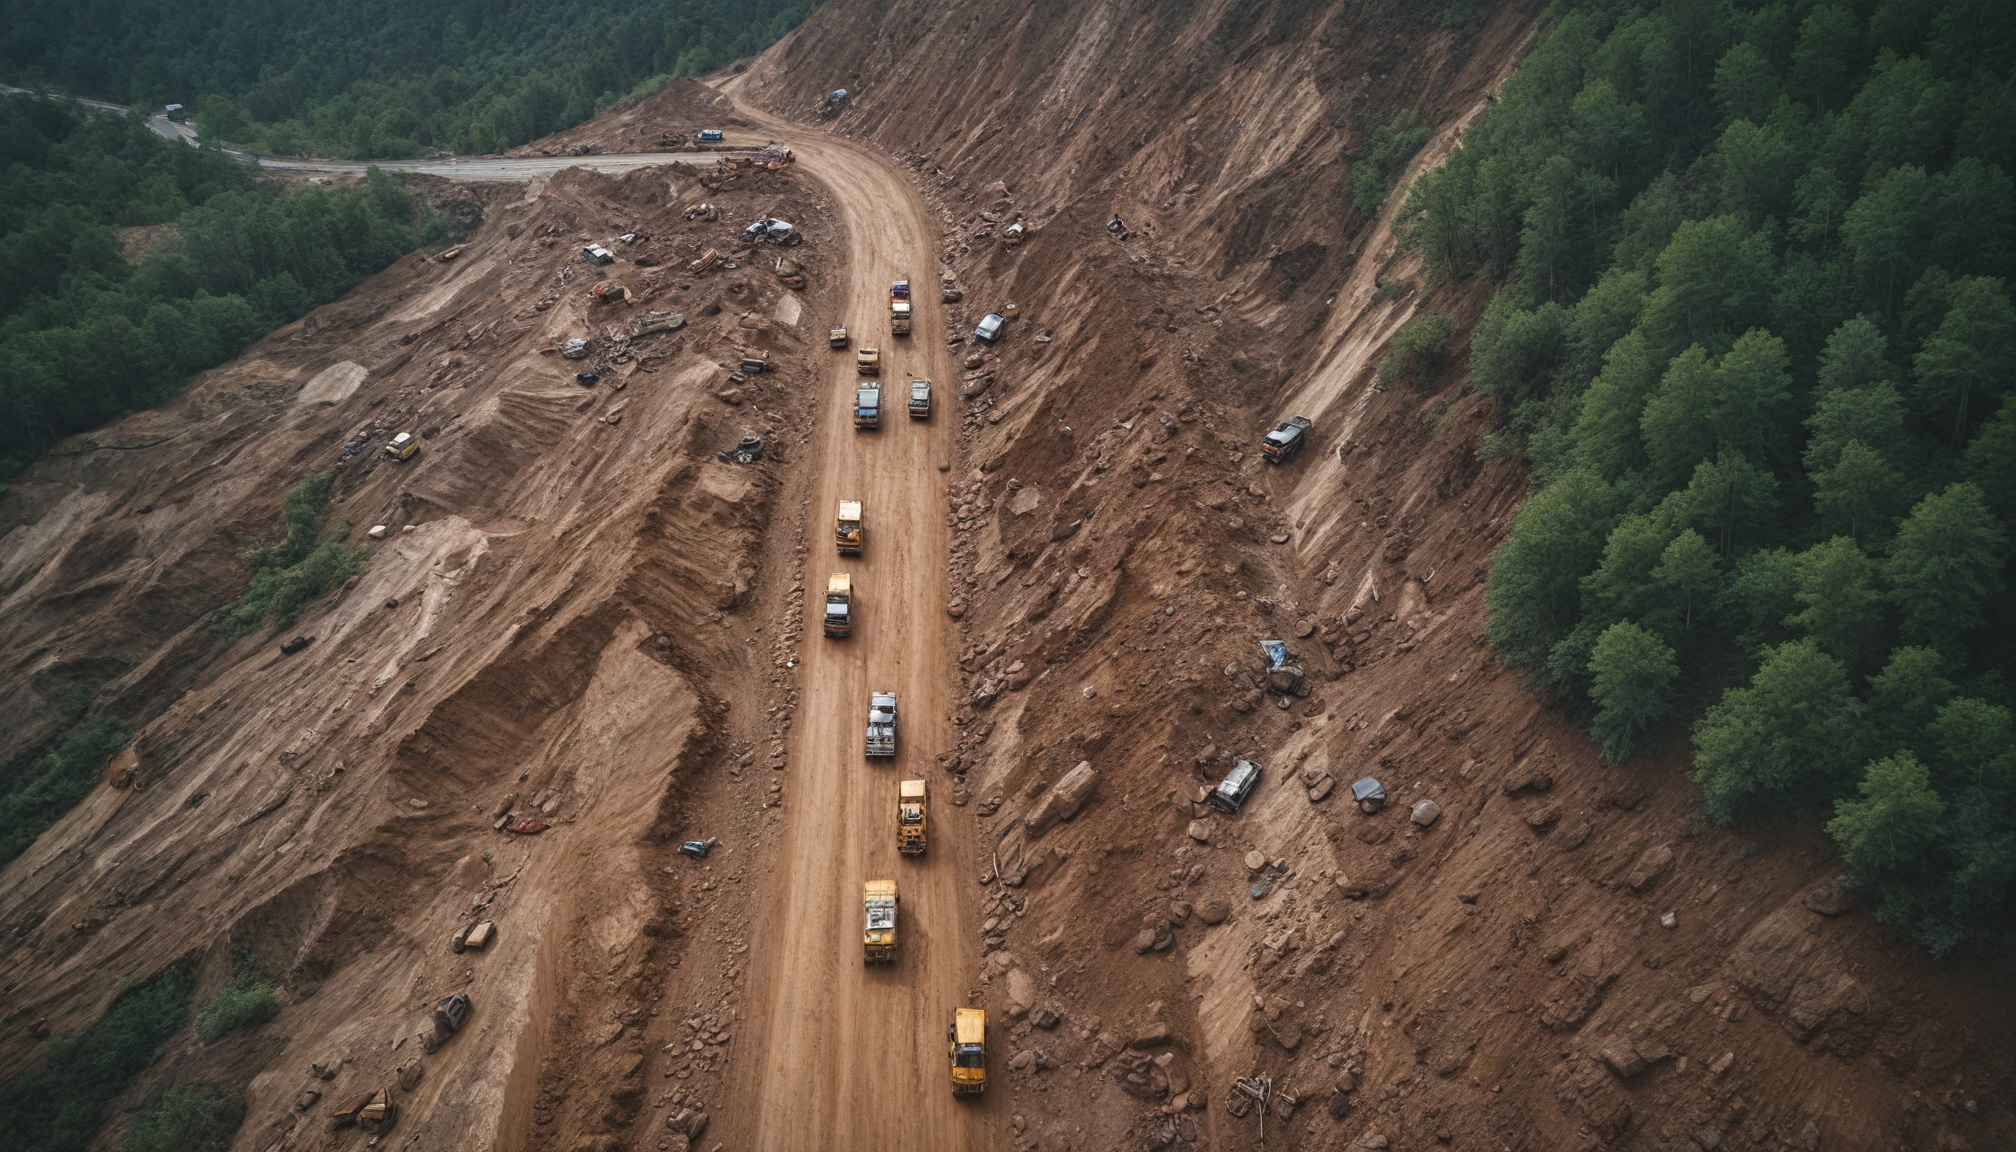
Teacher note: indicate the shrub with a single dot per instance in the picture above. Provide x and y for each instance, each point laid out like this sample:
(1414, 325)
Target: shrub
(59, 1105)
(246, 1002)
(54, 784)
(1418, 348)
(192, 1118)
(294, 572)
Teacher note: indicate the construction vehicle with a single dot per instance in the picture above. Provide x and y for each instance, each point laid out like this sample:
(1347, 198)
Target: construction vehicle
(832, 102)
(1231, 793)
(868, 361)
(1287, 438)
(920, 399)
(990, 328)
(847, 534)
(910, 818)
(839, 621)
(597, 254)
(1012, 235)
(177, 113)
(402, 447)
(968, 1041)
(881, 724)
(837, 338)
(868, 405)
(878, 938)
(709, 136)
(899, 308)
(770, 230)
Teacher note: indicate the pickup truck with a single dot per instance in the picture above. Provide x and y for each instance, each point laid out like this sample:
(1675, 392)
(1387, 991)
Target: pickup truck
(839, 620)
(868, 405)
(1287, 438)
(881, 724)
(920, 399)
(910, 818)
(837, 338)
(847, 531)
(868, 361)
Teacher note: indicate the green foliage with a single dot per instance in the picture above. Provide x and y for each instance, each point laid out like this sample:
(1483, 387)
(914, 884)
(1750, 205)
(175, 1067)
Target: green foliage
(294, 572)
(33, 799)
(59, 1104)
(380, 78)
(1757, 340)
(1387, 152)
(1418, 348)
(84, 337)
(1632, 673)
(191, 1118)
(246, 1002)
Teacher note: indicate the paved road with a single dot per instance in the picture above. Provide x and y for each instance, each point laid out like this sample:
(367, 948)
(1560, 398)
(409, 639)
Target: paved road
(842, 1055)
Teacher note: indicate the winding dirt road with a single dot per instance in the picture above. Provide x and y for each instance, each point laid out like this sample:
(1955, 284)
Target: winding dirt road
(843, 1055)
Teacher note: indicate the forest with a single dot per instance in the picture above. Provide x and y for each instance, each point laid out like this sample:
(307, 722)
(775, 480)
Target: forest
(1754, 337)
(87, 334)
(371, 78)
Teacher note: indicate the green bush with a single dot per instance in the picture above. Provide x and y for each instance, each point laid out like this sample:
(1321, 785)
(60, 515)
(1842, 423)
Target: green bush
(294, 572)
(59, 1104)
(53, 784)
(191, 1118)
(1387, 152)
(246, 1002)
(1418, 348)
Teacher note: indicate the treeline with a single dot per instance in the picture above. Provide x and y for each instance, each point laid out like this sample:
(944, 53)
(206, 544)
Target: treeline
(84, 335)
(1755, 338)
(368, 79)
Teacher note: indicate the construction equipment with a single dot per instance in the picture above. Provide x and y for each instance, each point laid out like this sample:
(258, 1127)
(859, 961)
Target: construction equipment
(747, 450)
(755, 364)
(847, 534)
(837, 337)
(770, 230)
(698, 849)
(832, 102)
(709, 136)
(402, 447)
(1231, 793)
(868, 405)
(450, 1013)
(990, 328)
(868, 361)
(881, 724)
(899, 308)
(920, 399)
(597, 254)
(1287, 438)
(839, 619)
(910, 818)
(967, 1039)
(878, 938)
(1012, 235)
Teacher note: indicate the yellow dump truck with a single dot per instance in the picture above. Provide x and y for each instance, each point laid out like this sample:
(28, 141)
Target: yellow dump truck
(839, 619)
(878, 939)
(847, 533)
(402, 447)
(968, 1039)
(910, 818)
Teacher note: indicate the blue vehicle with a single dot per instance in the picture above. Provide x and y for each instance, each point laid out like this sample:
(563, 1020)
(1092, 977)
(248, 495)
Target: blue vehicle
(990, 328)
(709, 136)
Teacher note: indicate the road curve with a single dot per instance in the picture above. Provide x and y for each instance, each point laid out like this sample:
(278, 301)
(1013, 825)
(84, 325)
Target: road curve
(843, 1055)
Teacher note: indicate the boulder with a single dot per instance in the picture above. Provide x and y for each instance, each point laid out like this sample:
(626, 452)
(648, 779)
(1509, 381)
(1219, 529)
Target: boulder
(1214, 911)
(1425, 813)
(1200, 831)
(1064, 800)
(1021, 992)
(410, 1074)
(1621, 1057)
(1150, 1036)
(1831, 898)
(1650, 866)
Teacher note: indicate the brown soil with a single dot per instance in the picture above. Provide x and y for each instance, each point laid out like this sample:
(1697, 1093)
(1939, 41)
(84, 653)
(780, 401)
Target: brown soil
(602, 613)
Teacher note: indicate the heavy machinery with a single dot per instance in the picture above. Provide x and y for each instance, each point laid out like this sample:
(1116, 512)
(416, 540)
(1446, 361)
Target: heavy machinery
(868, 361)
(1287, 438)
(968, 1041)
(837, 337)
(402, 447)
(868, 405)
(881, 724)
(920, 399)
(878, 938)
(899, 308)
(910, 818)
(839, 620)
(847, 533)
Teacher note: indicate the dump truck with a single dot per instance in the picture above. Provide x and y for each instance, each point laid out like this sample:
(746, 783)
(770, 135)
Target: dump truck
(910, 818)
(968, 1040)
(899, 308)
(881, 724)
(847, 533)
(920, 399)
(839, 620)
(878, 938)
(402, 447)
(868, 405)
(868, 361)
(1287, 438)
(837, 337)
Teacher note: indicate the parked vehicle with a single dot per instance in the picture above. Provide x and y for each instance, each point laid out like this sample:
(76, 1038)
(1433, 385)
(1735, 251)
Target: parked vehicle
(1287, 438)
(910, 818)
(402, 447)
(881, 724)
(177, 113)
(967, 1039)
(899, 308)
(920, 399)
(709, 136)
(837, 338)
(839, 620)
(868, 405)
(990, 328)
(770, 230)
(868, 361)
(847, 533)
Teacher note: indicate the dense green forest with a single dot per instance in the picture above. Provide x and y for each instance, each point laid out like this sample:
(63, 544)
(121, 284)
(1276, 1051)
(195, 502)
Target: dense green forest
(86, 336)
(1755, 338)
(369, 78)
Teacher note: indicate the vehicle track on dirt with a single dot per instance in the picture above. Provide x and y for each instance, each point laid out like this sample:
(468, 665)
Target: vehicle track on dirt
(840, 1055)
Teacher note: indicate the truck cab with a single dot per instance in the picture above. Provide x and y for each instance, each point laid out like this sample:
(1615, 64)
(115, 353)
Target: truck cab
(881, 724)
(839, 618)
(868, 405)
(868, 361)
(910, 818)
(402, 447)
(967, 1039)
(847, 532)
(1287, 438)
(920, 399)
(878, 936)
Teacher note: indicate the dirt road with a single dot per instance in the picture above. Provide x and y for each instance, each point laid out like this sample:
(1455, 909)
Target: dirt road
(841, 1055)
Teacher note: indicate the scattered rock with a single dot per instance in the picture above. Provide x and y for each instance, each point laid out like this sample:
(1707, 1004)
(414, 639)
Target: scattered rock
(1669, 920)
(1529, 775)
(1063, 801)
(1023, 1060)
(1831, 898)
(1321, 788)
(1721, 1063)
(1144, 941)
(306, 1100)
(1621, 1057)
(410, 1074)
(1043, 1018)
(1214, 912)
(1544, 816)
(1573, 835)
(1200, 831)
(1255, 860)
(1425, 813)
(1151, 1036)
(1021, 992)
(1651, 865)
